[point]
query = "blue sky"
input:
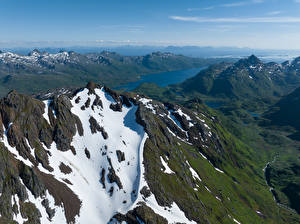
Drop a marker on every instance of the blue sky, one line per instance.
(271, 24)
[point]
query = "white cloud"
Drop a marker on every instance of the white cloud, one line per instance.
(297, 1)
(237, 20)
(198, 9)
(235, 4)
(209, 8)
(229, 5)
(273, 13)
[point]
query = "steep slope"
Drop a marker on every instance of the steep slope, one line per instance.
(286, 111)
(247, 79)
(284, 173)
(94, 156)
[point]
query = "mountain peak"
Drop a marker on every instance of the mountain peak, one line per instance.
(35, 52)
(253, 59)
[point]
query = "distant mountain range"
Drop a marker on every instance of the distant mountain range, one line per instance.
(190, 51)
(42, 70)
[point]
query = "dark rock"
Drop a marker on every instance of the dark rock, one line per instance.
(26, 114)
(77, 100)
(182, 120)
(66, 123)
(31, 180)
(141, 214)
(87, 103)
(102, 179)
(125, 101)
(116, 107)
(95, 127)
(91, 86)
(97, 102)
(113, 94)
(87, 153)
(112, 176)
(50, 211)
(145, 191)
(65, 168)
(111, 191)
(120, 155)
(62, 195)
(67, 181)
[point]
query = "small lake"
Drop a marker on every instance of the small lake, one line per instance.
(162, 79)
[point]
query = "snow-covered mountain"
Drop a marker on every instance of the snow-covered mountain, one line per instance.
(94, 156)
(39, 71)
(49, 60)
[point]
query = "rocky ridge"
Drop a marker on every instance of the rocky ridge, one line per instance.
(142, 161)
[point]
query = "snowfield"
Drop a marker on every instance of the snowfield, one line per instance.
(117, 153)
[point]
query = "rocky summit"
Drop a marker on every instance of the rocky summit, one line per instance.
(92, 155)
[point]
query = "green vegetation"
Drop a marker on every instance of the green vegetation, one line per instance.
(257, 138)
(107, 68)
(239, 193)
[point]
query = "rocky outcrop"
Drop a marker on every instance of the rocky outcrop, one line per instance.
(66, 123)
(95, 127)
(112, 176)
(141, 214)
(120, 155)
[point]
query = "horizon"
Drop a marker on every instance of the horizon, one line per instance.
(254, 24)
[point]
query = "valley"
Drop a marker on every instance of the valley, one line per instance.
(41, 71)
(258, 113)
(190, 152)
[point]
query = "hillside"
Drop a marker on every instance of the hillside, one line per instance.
(248, 78)
(286, 111)
(39, 71)
(249, 84)
(272, 130)
(141, 161)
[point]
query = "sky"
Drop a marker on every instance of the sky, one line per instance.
(263, 24)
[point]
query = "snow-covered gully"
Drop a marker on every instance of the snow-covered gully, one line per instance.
(106, 172)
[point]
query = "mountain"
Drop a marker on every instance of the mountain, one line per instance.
(39, 71)
(244, 94)
(286, 111)
(247, 78)
(91, 155)
(190, 51)
(284, 174)
(249, 82)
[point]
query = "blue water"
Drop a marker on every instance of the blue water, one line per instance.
(254, 114)
(162, 79)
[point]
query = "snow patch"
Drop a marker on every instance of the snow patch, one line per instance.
(147, 103)
(194, 173)
(165, 165)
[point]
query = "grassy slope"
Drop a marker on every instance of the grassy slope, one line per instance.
(242, 189)
(257, 144)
